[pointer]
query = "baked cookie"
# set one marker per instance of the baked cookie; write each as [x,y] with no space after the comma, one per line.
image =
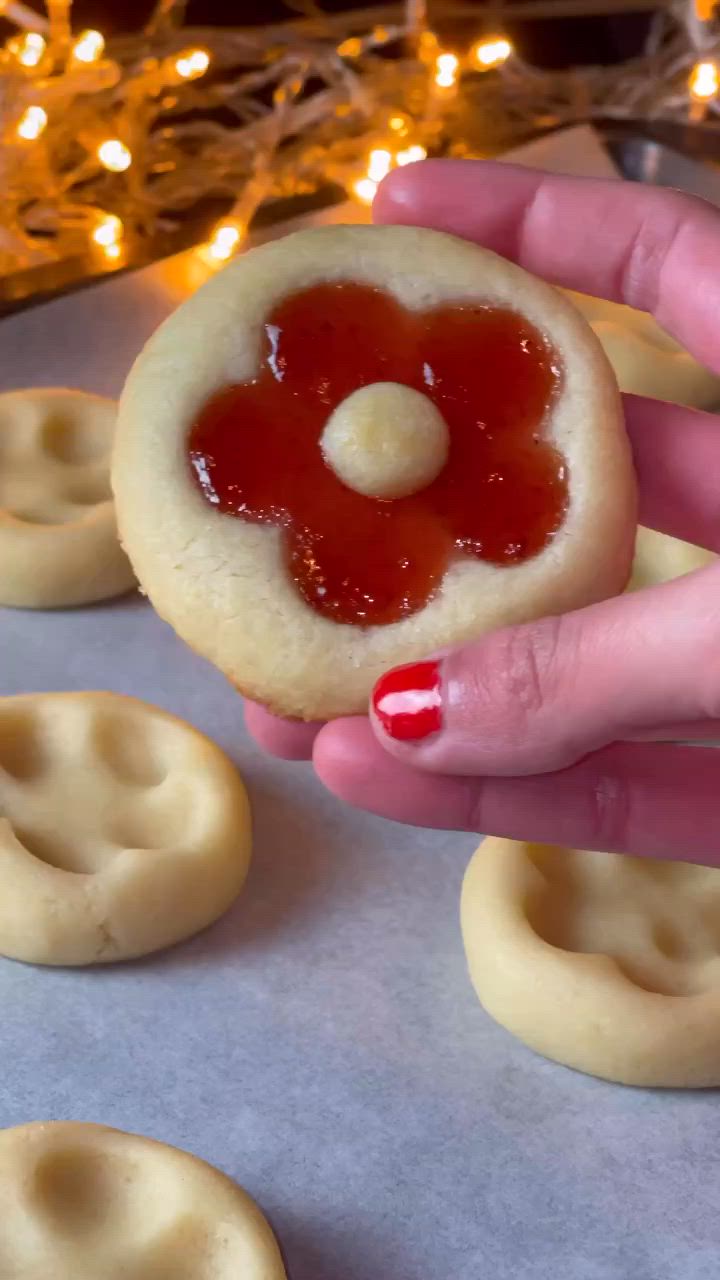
[356,445]
[58,537]
[83,1202]
[122,829]
[660,558]
[605,963]
[646,360]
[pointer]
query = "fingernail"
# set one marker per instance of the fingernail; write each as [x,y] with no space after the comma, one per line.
[408,701]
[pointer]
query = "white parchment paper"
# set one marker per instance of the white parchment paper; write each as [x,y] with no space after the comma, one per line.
[322,1043]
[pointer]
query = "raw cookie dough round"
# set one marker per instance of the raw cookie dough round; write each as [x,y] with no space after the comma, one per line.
[660,558]
[58,536]
[646,360]
[122,829]
[84,1202]
[222,581]
[605,963]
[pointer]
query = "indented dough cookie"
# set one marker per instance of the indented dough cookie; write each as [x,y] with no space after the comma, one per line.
[122,829]
[356,445]
[58,537]
[83,1202]
[646,360]
[605,963]
[659,558]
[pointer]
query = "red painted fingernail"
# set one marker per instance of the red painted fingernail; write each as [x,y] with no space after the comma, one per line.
[408,701]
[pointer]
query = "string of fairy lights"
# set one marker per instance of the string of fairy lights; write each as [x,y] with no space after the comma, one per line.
[103,144]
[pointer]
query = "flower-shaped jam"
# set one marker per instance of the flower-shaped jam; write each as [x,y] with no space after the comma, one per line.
[500,496]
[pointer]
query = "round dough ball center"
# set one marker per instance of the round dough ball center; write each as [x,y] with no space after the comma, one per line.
[386,441]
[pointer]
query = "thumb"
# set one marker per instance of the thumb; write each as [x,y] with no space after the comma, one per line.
[538,697]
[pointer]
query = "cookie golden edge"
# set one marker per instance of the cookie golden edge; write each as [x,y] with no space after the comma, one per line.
[37,1140]
[221,583]
[574,1008]
[142,904]
[62,566]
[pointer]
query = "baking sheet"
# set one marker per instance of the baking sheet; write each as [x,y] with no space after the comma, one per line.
[322,1043]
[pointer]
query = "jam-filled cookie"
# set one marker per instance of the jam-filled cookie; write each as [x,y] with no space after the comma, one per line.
[58,537]
[356,445]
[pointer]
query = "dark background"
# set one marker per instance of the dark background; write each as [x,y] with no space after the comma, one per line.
[547,43]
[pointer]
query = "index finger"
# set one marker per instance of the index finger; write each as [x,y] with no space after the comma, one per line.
[655,249]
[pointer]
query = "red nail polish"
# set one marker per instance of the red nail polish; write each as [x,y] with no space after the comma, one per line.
[408,701]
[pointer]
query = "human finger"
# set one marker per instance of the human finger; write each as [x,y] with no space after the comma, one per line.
[623,799]
[535,698]
[677,459]
[650,247]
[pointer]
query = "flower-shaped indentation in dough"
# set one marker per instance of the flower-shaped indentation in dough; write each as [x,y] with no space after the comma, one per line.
[605,963]
[501,495]
[123,830]
[81,1200]
[58,536]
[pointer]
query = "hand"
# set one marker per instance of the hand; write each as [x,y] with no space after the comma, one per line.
[553,731]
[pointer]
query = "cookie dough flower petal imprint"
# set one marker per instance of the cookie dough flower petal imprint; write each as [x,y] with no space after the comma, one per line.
[58,537]
[603,962]
[84,1202]
[122,829]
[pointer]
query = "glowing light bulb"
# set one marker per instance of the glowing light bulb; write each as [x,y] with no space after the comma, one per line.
[112,251]
[399,125]
[108,232]
[225,239]
[491,52]
[351,48]
[28,49]
[192,63]
[379,164]
[427,46]
[446,68]
[88,47]
[31,123]
[365,189]
[114,155]
[411,155]
[705,81]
